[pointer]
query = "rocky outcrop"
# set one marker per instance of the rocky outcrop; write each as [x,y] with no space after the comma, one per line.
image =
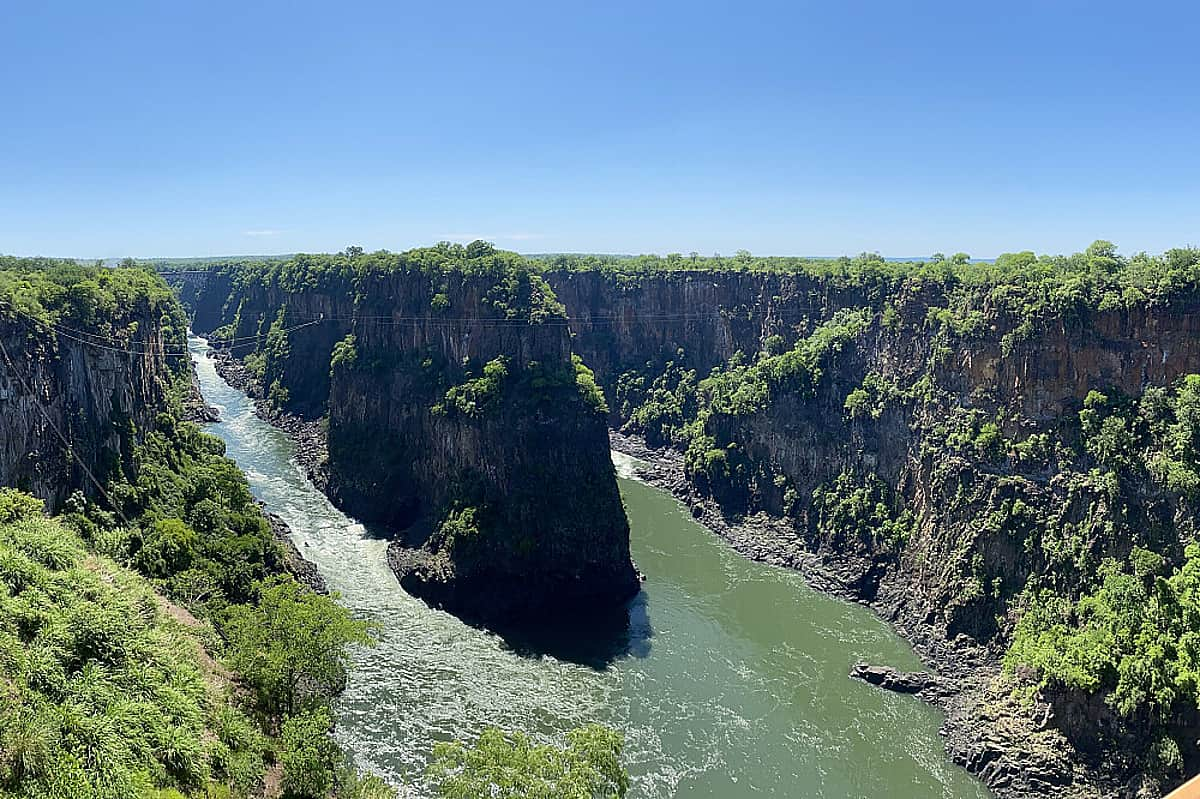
[889,679]
[457,417]
[304,570]
[194,407]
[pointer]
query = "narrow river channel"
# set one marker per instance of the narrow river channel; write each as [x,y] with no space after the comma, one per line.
[730,681]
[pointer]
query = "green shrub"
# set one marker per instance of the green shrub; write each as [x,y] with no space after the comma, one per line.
[291,647]
[474,396]
[308,755]
[16,505]
[510,766]
[345,353]
[168,547]
[589,389]
[103,696]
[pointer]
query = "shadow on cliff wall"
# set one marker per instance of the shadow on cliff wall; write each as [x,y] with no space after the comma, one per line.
[594,640]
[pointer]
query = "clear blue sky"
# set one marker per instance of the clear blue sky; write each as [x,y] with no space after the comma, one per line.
[199,128]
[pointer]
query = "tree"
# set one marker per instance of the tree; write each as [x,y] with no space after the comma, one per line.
[308,755]
[168,547]
[292,648]
[505,765]
[480,248]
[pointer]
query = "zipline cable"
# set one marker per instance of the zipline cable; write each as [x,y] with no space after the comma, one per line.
[65,442]
[74,335]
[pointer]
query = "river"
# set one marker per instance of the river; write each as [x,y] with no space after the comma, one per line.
[729,681]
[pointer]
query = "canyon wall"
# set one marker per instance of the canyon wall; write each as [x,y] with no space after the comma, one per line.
[918,379]
[456,414]
[945,450]
[986,455]
[98,389]
[621,321]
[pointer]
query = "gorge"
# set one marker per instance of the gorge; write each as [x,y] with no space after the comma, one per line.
[994,456]
[456,414]
[1001,460]
[727,677]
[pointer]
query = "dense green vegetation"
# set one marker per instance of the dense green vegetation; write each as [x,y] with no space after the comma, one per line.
[290,647]
[163,714]
[95,298]
[1118,610]
[537,383]
[199,533]
[510,766]
[104,694]
[517,290]
[202,539]
[1098,276]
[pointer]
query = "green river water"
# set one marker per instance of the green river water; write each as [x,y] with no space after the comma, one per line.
[729,680]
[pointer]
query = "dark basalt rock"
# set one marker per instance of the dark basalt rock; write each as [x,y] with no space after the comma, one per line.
[304,570]
[488,596]
[889,679]
[101,400]
[195,408]
[530,465]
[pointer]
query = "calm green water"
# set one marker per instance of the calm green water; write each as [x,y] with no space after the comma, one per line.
[728,678]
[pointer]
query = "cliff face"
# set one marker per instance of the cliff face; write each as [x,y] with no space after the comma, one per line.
[99,398]
[938,450]
[621,322]
[457,414]
[988,458]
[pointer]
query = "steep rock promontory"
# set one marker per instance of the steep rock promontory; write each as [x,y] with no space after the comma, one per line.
[457,414]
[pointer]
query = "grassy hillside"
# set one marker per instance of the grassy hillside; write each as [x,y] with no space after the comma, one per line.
[108,689]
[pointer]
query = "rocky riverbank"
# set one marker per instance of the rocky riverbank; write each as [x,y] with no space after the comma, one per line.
[1007,743]
[304,570]
[312,450]
[195,408]
[310,454]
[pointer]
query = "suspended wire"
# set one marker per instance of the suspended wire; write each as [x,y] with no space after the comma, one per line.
[65,442]
[59,327]
[75,335]
[391,320]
